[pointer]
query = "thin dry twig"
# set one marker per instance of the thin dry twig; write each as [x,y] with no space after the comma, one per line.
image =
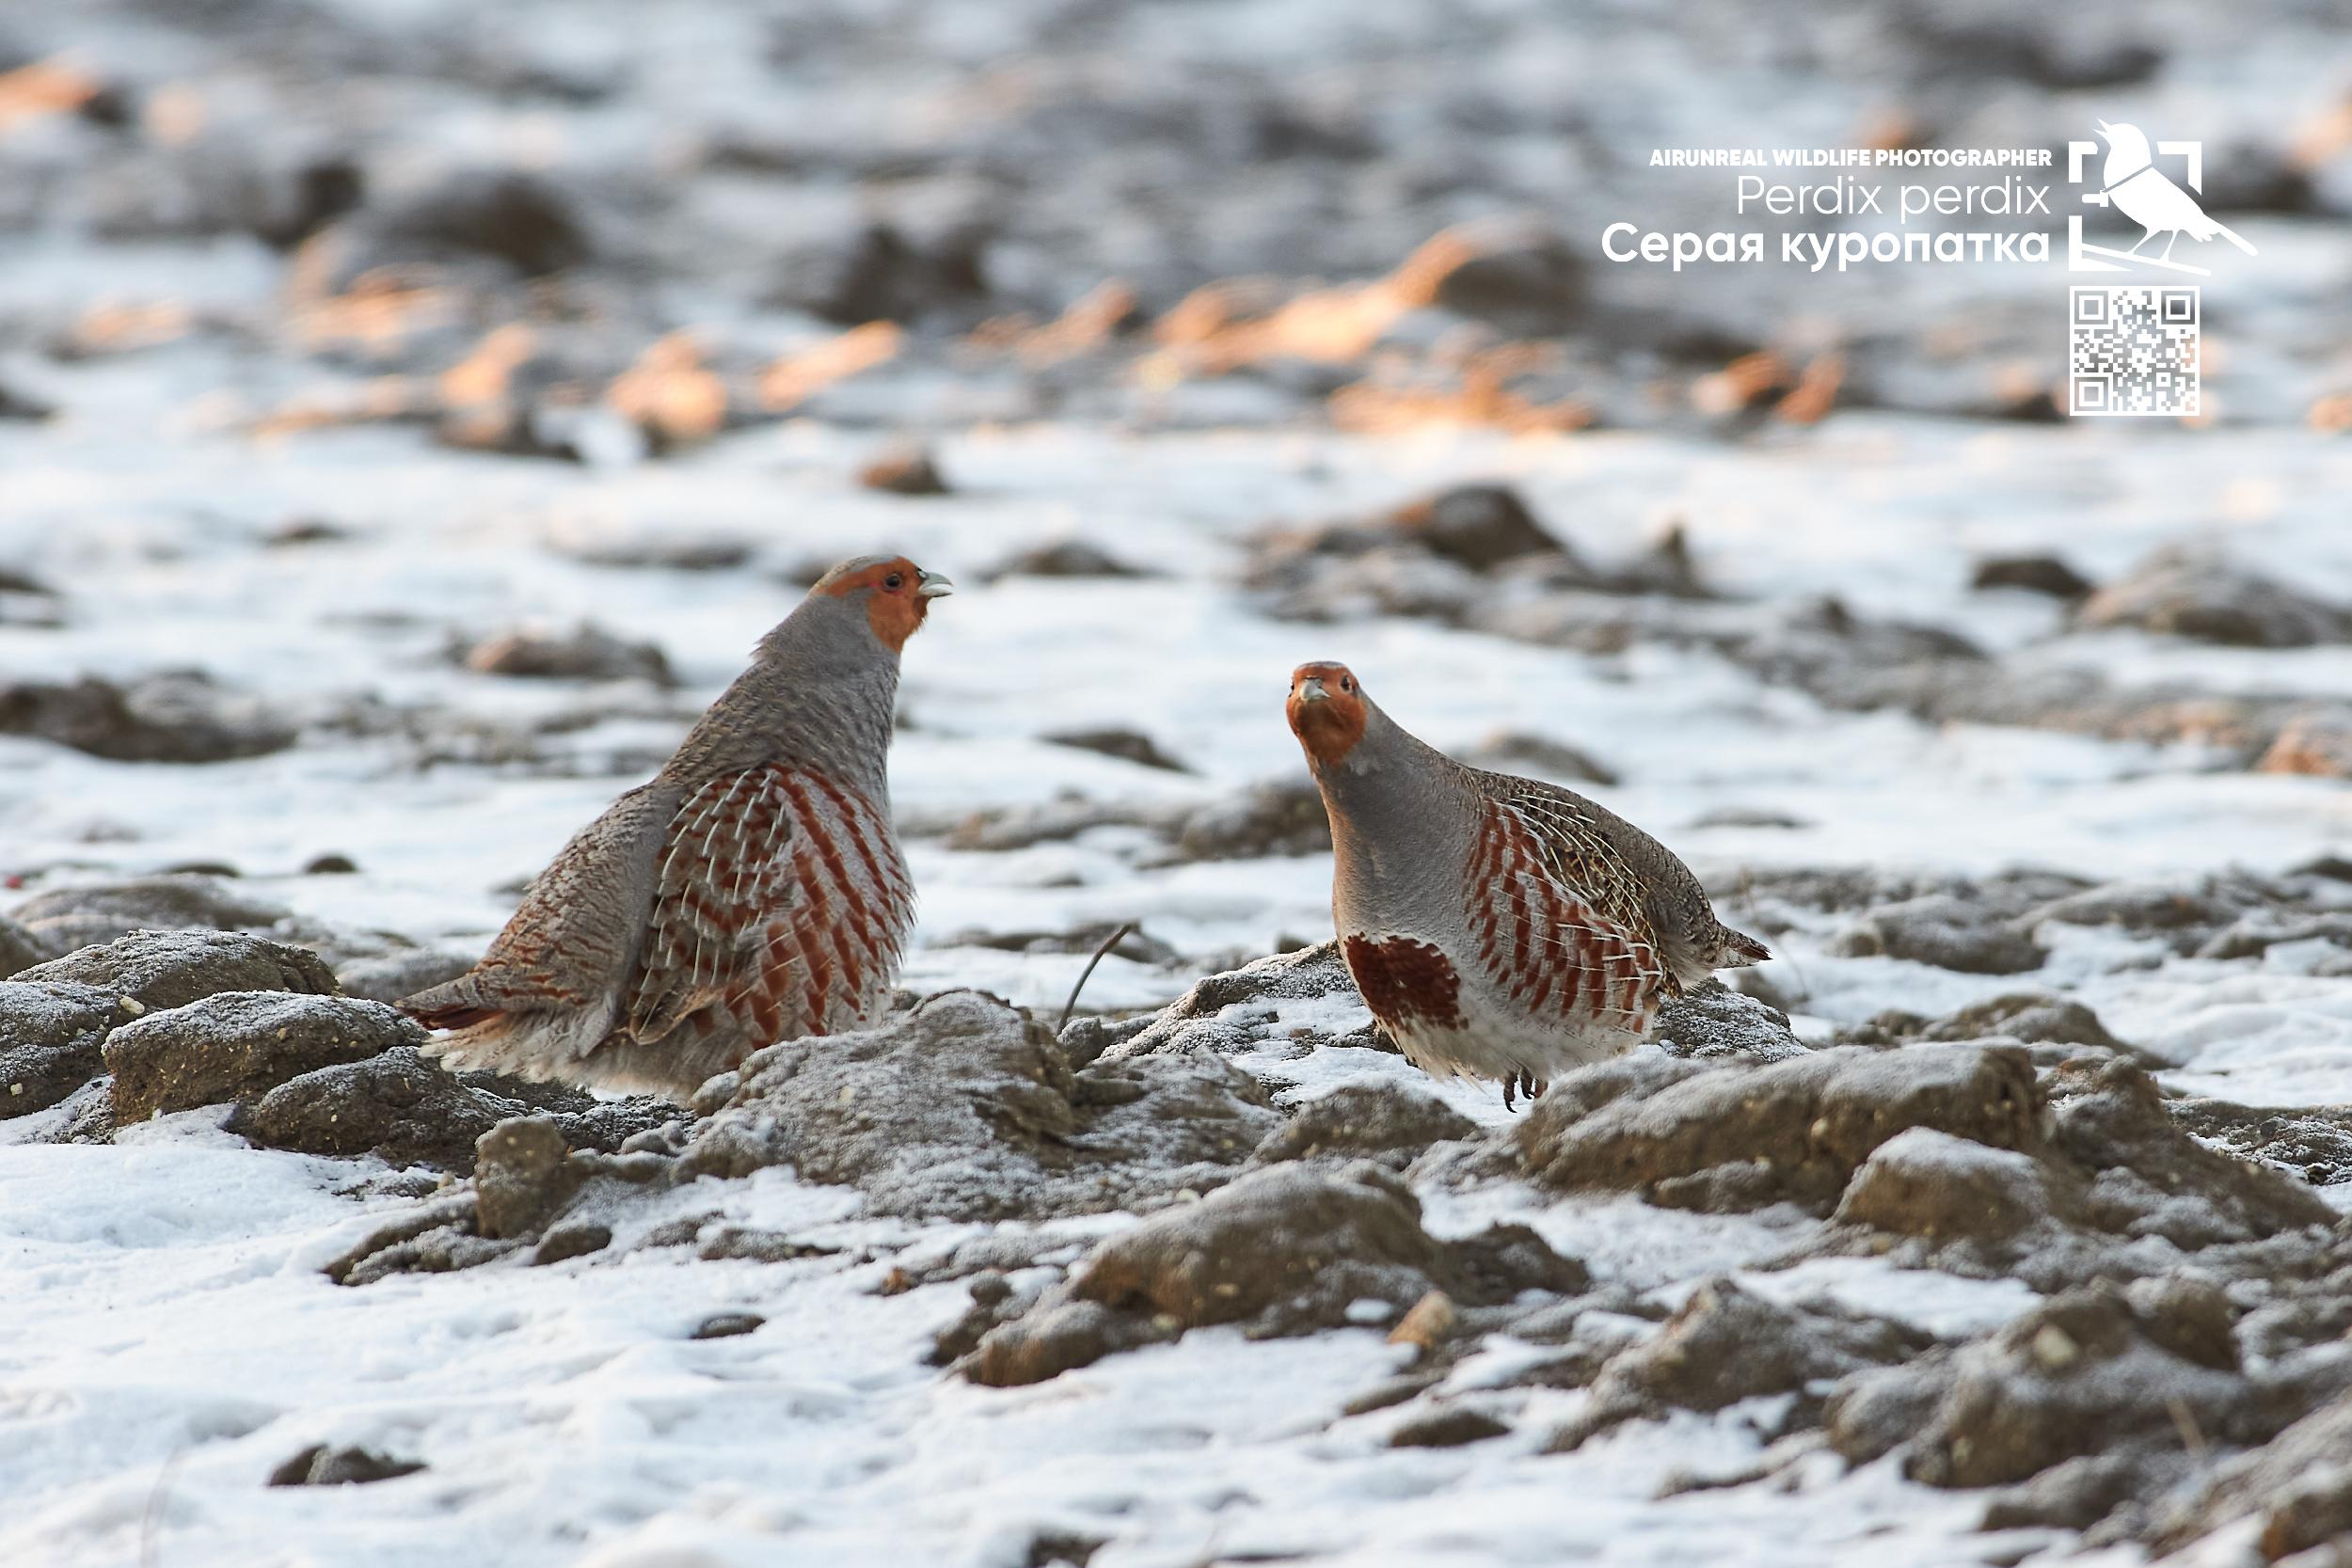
[2185,1423]
[1087,974]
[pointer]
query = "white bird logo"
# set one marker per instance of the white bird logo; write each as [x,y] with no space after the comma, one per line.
[2142,192]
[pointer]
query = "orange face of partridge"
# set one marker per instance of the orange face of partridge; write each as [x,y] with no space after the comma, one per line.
[900,594]
[1326,711]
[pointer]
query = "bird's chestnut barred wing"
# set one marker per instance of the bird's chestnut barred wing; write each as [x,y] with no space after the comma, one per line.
[779,910]
[1558,914]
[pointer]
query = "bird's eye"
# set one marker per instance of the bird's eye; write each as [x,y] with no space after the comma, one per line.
[1346,685]
[895,581]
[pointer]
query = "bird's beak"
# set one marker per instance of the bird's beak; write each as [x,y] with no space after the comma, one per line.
[2104,129]
[931,585]
[1311,690]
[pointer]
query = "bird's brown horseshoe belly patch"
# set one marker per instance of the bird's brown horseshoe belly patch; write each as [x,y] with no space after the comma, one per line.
[1404,981]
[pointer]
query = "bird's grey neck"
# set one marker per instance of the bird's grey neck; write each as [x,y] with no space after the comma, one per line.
[804,704]
[1388,799]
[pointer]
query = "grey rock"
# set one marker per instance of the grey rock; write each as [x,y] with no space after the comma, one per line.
[1738,1137]
[2084,1372]
[1125,744]
[172,717]
[438,1236]
[161,970]
[2297,1486]
[1085,1040]
[21,949]
[1057,821]
[1386,574]
[1391,1123]
[85,915]
[904,472]
[50,1035]
[1477,526]
[1068,558]
[2045,574]
[2022,44]
[325,1466]
[1725,1344]
[2034,1017]
[2155,907]
[510,219]
[1943,931]
[662,550]
[1234,1012]
[570,1240]
[2148,1176]
[2182,593]
[523,1174]
[2253,935]
[408,1111]
[1931,1184]
[2119,1189]
[584,652]
[394,1105]
[2312,1142]
[1285,818]
[238,1045]
[2074,1493]
[1711,1022]
[1281,1251]
[1449,1428]
[880,272]
[1516,751]
[964,1108]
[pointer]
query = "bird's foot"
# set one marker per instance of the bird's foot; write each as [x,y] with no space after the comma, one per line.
[1522,1083]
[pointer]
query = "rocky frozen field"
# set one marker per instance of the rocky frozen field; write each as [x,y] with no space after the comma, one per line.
[409,417]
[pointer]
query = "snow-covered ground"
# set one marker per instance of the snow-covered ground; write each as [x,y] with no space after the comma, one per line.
[168,1338]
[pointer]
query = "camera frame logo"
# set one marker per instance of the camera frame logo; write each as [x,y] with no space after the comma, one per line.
[2137,349]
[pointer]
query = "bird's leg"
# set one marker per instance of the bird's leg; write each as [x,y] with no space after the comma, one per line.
[2141,241]
[2170,242]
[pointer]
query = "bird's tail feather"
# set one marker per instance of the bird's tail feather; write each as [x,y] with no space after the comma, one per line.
[494,1043]
[1738,950]
[457,1015]
[454,1004]
[2234,237]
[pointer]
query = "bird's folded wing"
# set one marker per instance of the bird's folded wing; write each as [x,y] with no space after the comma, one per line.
[727,863]
[774,904]
[1558,914]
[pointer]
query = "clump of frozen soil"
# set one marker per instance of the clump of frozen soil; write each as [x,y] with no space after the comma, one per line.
[1281,1251]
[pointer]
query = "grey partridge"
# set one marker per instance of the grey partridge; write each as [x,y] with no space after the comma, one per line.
[752,891]
[1498,927]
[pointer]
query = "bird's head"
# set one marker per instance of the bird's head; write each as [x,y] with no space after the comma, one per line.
[1327,711]
[2127,140]
[893,592]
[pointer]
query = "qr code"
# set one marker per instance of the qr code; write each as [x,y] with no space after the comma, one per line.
[2133,350]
